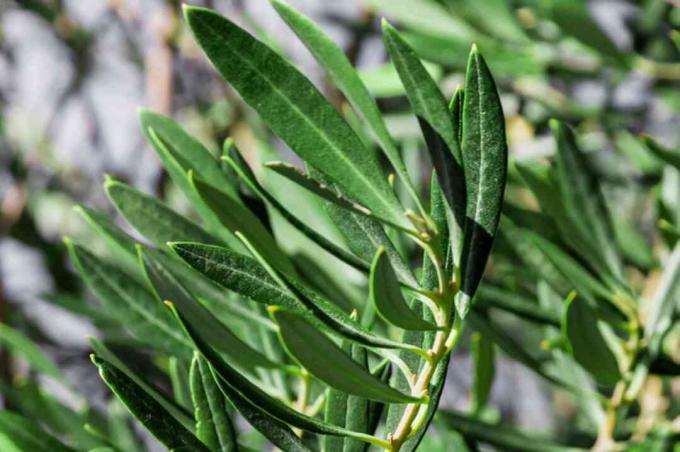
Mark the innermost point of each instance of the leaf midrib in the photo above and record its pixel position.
(294, 107)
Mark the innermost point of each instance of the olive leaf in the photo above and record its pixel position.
(485, 158)
(294, 109)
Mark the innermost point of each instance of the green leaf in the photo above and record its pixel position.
(234, 216)
(349, 411)
(357, 407)
(432, 18)
(583, 200)
(384, 81)
(26, 435)
(274, 430)
(435, 121)
(184, 148)
(231, 378)
(238, 164)
(365, 236)
(504, 25)
(335, 412)
(147, 410)
(327, 193)
(326, 361)
(505, 438)
(573, 18)
(295, 110)
(246, 276)
(664, 301)
(480, 322)
(633, 245)
(572, 270)
(386, 295)
(213, 425)
(136, 308)
(664, 154)
(586, 344)
(490, 296)
(485, 159)
(179, 171)
(483, 358)
(175, 410)
(151, 218)
(167, 287)
(19, 344)
(345, 77)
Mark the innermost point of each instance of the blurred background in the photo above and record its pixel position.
(72, 74)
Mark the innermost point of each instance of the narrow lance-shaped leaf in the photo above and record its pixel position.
(251, 393)
(20, 345)
(236, 217)
(299, 177)
(326, 361)
(661, 306)
(335, 411)
(169, 288)
(485, 160)
(130, 302)
(664, 154)
(365, 235)
(483, 357)
(271, 428)
(186, 149)
(294, 109)
(502, 437)
(435, 121)
(178, 412)
(238, 164)
(213, 425)
(346, 78)
(251, 279)
(586, 343)
(584, 202)
(385, 293)
(357, 417)
(149, 412)
(151, 218)
(26, 434)
(178, 169)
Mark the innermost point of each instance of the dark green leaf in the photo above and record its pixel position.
(504, 438)
(147, 410)
(271, 428)
(345, 77)
(246, 276)
(176, 411)
(167, 287)
(483, 358)
(238, 164)
(26, 435)
(662, 153)
(386, 295)
(485, 159)
(295, 110)
(151, 218)
(436, 122)
(573, 18)
(248, 391)
(234, 216)
(586, 344)
(213, 425)
(517, 304)
(583, 200)
(20, 345)
(134, 306)
(326, 361)
(664, 302)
